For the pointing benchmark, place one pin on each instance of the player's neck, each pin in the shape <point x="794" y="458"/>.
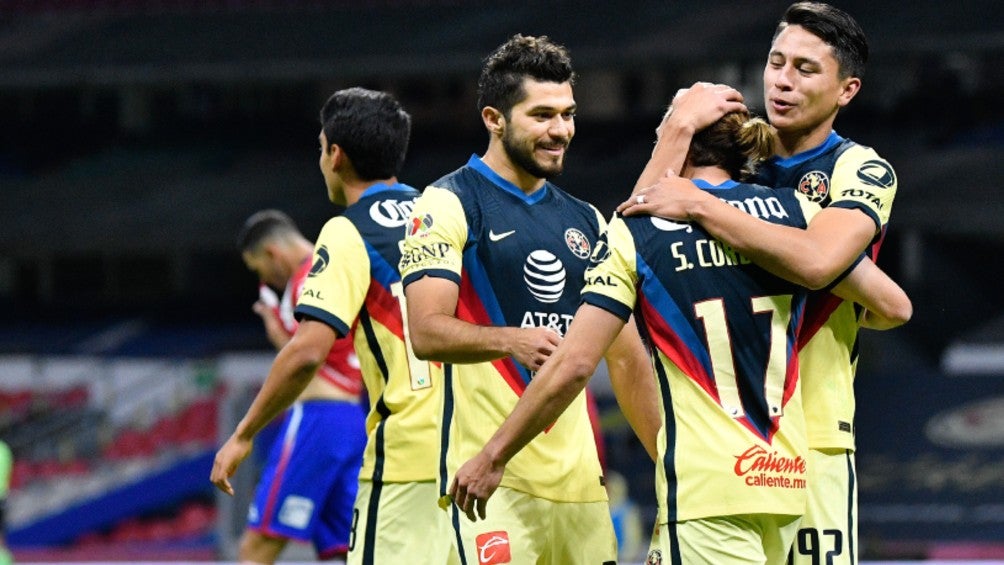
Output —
<point x="712" y="175"/>
<point x="793" y="142"/>
<point x="498" y="160"/>
<point x="355" y="189"/>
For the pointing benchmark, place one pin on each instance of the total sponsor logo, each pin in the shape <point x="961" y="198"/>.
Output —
<point x="762" y="468"/>
<point x="320" y="261"/>
<point x="391" y="213"/>
<point x="493" y="547"/>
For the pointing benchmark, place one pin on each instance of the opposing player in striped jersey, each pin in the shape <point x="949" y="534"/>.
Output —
<point x="354" y="289"/>
<point x="731" y="472"/>
<point x="492" y="266"/>
<point x="310" y="478"/>
<point x="814" y="68"/>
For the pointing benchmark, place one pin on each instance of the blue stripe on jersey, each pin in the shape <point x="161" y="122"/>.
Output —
<point x="339" y="326"/>
<point x="444" y="438"/>
<point x="477" y="164"/>
<point x="380" y="269"/>
<point x="799" y="158"/>
<point x="485" y="294"/>
<point x="669" y="458"/>
<point x="675" y="321"/>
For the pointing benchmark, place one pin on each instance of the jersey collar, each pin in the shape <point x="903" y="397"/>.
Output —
<point x="379" y="187"/>
<point x="478" y="165"/>
<point x="798" y="158"/>
<point x="705" y="185"/>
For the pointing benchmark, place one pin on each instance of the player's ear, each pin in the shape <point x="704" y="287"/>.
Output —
<point x="337" y="156"/>
<point x="850" y="87"/>
<point x="493" y="119"/>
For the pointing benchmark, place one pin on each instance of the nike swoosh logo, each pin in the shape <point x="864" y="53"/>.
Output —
<point x="499" y="236"/>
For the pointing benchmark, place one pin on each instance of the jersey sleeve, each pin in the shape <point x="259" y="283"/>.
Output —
<point x="808" y="207"/>
<point x="434" y="241"/>
<point x="339" y="277"/>
<point x="862" y="180"/>
<point x="611" y="279"/>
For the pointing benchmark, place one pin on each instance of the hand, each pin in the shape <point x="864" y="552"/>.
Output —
<point x="474" y="484"/>
<point x="672" y="197"/>
<point x="274" y="329"/>
<point x="228" y="458"/>
<point x="701" y="105"/>
<point x="534" y="345"/>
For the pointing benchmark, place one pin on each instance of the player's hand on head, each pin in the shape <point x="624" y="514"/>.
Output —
<point x="225" y="464"/>
<point x="701" y="105"/>
<point x="534" y="345"/>
<point x="672" y="197"/>
<point x="474" y="483"/>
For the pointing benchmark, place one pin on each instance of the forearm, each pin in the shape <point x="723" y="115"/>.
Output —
<point x="291" y="371"/>
<point x="544" y="400"/>
<point x="669" y="153"/>
<point x="793" y="254"/>
<point x="634" y="387"/>
<point x="442" y="337"/>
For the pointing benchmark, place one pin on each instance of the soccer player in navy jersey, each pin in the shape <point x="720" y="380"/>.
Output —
<point x="814" y="68"/>
<point x="731" y="473"/>
<point x="493" y="264"/>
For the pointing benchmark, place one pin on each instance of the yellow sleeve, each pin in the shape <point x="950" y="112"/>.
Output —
<point x="863" y="180"/>
<point x="435" y="238"/>
<point x="612" y="277"/>
<point x="339" y="277"/>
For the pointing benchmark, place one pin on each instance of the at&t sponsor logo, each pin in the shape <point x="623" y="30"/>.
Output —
<point x="544" y="275"/>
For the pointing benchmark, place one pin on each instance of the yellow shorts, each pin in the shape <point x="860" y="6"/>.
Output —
<point x="525" y="529"/>
<point x="829" y="531"/>
<point x="745" y="539"/>
<point x="400" y="523"/>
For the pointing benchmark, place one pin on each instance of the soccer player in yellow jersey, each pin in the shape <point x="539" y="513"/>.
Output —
<point x="354" y="289"/>
<point x="493" y="264"/>
<point x="731" y="473"/>
<point x="813" y="69"/>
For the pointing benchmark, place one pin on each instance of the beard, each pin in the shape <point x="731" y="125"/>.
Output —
<point x="522" y="155"/>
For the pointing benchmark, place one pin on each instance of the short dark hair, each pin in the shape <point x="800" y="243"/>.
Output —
<point x="501" y="83"/>
<point x="371" y="127"/>
<point x="262" y="226"/>
<point x="836" y="28"/>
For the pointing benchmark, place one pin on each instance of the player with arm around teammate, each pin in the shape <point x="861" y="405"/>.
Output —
<point x="722" y="332"/>
<point x="814" y="68"/>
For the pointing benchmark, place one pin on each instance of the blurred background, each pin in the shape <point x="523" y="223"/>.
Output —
<point x="137" y="135"/>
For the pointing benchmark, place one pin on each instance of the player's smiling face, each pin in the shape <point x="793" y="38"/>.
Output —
<point x="540" y="127"/>
<point x="802" y="85"/>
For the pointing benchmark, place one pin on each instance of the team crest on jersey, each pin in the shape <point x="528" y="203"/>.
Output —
<point x="320" y="261"/>
<point x="420" y="226"/>
<point x="654" y="557"/>
<point x="577" y="243"/>
<point x="876" y="172"/>
<point x="815" y="185"/>
<point x="544" y="275"/>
